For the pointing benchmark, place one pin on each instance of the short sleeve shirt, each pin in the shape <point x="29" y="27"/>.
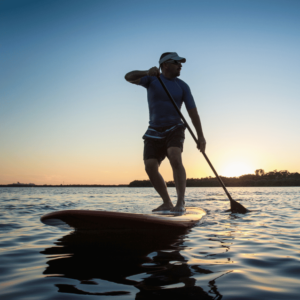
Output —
<point x="161" y="110"/>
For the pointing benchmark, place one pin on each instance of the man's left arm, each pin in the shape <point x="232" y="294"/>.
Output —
<point x="193" y="113"/>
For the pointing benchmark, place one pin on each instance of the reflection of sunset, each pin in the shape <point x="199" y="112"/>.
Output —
<point x="235" y="169"/>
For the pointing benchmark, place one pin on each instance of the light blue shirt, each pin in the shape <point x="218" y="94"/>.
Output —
<point x="161" y="110"/>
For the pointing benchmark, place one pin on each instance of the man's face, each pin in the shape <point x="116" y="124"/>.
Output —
<point x="174" y="68"/>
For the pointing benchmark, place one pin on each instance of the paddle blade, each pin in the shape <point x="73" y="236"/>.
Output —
<point x="236" y="207"/>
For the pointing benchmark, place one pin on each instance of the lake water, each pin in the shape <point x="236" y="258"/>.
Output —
<point x="225" y="256"/>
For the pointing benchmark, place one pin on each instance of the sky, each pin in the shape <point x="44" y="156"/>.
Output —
<point x="67" y="116"/>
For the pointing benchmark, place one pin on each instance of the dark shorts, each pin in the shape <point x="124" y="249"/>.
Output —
<point x="157" y="148"/>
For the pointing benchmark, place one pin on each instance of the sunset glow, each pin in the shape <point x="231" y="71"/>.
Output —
<point x="236" y="169"/>
<point x="68" y="115"/>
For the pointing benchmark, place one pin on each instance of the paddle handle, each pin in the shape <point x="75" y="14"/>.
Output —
<point x="194" y="137"/>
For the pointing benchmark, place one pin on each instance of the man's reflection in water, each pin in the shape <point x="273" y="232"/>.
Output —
<point x="114" y="257"/>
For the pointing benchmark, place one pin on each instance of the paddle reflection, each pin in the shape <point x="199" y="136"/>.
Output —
<point x="123" y="258"/>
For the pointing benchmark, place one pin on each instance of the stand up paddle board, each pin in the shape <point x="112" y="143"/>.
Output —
<point x="120" y="221"/>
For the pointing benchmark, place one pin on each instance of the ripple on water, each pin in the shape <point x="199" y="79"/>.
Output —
<point x="228" y="256"/>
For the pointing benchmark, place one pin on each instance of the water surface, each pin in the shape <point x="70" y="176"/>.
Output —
<point x="226" y="256"/>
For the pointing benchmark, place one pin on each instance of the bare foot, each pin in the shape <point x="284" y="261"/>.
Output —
<point x="164" y="207"/>
<point x="179" y="207"/>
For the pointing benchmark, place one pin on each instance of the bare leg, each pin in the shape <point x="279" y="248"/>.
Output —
<point x="174" y="155"/>
<point x="151" y="166"/>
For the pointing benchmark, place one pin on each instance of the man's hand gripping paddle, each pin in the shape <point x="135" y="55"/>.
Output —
<point x="235" y="207"/>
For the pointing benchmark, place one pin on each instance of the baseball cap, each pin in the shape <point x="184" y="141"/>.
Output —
<point x="172" y="55"/>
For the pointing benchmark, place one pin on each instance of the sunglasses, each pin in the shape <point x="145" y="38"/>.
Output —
<point x="174" y="62"/>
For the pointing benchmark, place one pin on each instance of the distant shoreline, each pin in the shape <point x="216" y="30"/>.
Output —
<point x="260" y="178"/>
<point x="128" y="186"/>
<point x="62" y="185"/>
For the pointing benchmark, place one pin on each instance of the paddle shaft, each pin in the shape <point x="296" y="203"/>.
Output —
<point x="194" y="137"/>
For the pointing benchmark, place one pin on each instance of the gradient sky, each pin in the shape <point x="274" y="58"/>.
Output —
<point x="68" y="116"/>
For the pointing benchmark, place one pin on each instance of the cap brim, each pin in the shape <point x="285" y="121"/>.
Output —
<point x="183" y="60"/>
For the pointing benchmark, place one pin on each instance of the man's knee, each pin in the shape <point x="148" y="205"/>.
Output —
<point x="151" y="166"/>
<point x="174" y="155"/>
<point x="176" y="162"/>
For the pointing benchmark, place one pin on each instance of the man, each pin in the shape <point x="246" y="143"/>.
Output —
<point x="165" y="135"/>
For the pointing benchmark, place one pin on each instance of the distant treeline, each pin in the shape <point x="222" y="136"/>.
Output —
<point x="260" y="178"/>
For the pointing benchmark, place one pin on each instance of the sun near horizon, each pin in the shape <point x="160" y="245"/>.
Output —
<point x="236" y="169"/>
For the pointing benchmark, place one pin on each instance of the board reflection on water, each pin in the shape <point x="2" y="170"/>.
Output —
<point x="230" y="256"/>
<point x="152" y="264"/>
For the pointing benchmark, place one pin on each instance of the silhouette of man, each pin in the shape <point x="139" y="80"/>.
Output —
<point x="165" y="134"/>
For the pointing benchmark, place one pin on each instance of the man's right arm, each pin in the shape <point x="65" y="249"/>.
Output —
<point x="135" y="76"/>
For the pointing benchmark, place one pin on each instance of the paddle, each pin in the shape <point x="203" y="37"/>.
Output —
<point x="235" y="207"/>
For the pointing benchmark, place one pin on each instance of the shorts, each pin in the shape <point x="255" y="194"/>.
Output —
<point x="157" y="148"/>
